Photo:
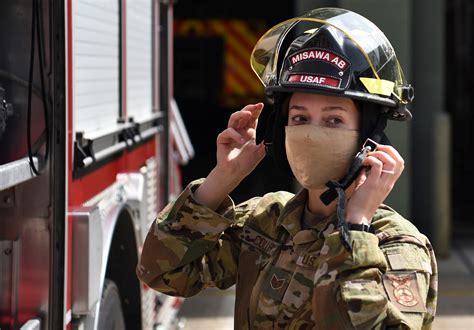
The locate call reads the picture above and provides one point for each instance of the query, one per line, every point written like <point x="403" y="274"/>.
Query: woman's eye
<point x="298" y="119"/>
<point x="335" y="121"/>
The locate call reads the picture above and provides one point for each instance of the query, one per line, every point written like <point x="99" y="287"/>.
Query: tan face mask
<point x="318" y="154"/>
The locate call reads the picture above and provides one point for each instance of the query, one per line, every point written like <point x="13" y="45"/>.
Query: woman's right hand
<point x="237" y="156"/>
<point x="237" y="152"/>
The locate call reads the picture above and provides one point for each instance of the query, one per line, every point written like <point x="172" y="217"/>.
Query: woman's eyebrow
<point x="298" y="107"/>
<point x="334" y="107"/>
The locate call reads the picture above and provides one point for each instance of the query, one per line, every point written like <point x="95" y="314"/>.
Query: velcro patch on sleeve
<point x="403" y="291"/>
<point x="408" y="258"/>
<point x="396" y="260"/>
<point x="258" y="240"/>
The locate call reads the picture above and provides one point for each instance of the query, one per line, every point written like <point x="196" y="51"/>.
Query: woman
<point x="333" y="256"/>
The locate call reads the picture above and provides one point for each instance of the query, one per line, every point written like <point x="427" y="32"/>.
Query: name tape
<point x="316" y="80"/>
<point x="258" y="240"/>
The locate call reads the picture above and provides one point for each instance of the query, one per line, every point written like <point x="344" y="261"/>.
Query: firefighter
<point x="332" y="256"/>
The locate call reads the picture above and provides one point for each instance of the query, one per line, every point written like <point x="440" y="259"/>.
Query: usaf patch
<point x="308" y="260"/>
<point x="276" y="283"/>
<point x="403" y="291"/>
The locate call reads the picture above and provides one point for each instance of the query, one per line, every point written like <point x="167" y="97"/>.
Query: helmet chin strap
<point x="337" y="188"/>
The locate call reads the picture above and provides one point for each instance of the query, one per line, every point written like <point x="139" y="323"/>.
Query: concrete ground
<point x="456" y="289"/>
<point x="214" y="309"/>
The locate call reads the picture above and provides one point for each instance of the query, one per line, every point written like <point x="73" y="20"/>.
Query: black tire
<point x="110" y="312"/>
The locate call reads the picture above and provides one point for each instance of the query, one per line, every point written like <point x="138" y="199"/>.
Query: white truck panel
<point x="95" y="64"/>
<point x="139" y="58"/>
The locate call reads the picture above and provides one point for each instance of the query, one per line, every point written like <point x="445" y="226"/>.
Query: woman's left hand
<point x="372" y="187"/>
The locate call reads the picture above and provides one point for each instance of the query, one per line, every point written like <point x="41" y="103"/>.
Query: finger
<point x="248" y="133"/>
<point x="376" y="166"/>
<point x="250" y="121"/>
<point x="262" y="151"/>
<point x="256" y="110"/>
<point x="258" y="149"/>
<point x="256" y="152"/>
<point x="239" y="119"/>
<point x="230" y="135"/>
<point x="389" y="164"/>
<point x="393" y="153"/>
<point x="361" y="178"/>
<point x="399" y="162"/>
<point x="247" y="117"/>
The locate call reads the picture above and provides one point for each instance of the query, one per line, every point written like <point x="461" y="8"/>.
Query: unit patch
<point x="402" y="290"/>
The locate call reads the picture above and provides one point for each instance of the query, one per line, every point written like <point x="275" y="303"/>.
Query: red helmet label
<point x="314" y="79"/>
<point x="323" y="55"/>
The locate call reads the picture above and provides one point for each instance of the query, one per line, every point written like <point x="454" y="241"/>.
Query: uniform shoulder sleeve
<point x="190" y="247"/>
<point x="268" y="210"/>
<point x="388" y="280"/>
<point x="411" y="278"/>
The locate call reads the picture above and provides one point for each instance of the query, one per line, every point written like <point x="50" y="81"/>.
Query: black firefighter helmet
<point x="336" y="52"/>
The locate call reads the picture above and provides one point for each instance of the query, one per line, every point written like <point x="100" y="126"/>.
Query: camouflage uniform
<point x="289" y="277"/>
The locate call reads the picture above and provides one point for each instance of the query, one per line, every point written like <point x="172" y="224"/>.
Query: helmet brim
<point x="398" y="112"/>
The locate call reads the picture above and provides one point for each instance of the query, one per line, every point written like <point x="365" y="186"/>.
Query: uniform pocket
<point x="365" y="301"/>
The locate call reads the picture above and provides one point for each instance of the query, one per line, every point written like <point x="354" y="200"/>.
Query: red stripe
<point x="236" y="34"/>
<point x="243" y="62"/>
<point x="227" y="89"/>
<point x="90" y="185"/>
<point x="314" y="79"/>
<point x="237" y="75"/>
<point x="228" y="47"/>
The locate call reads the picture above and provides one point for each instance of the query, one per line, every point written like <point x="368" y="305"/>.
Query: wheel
<point x="110" y="312"/>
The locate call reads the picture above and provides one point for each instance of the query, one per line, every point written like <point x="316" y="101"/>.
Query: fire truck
<point x="91" y="141"/>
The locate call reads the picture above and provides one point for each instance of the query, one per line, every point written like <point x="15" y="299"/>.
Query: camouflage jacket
<point x="289" y="277"/>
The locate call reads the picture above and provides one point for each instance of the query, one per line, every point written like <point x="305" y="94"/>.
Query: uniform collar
<point x="291" y="216"/>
